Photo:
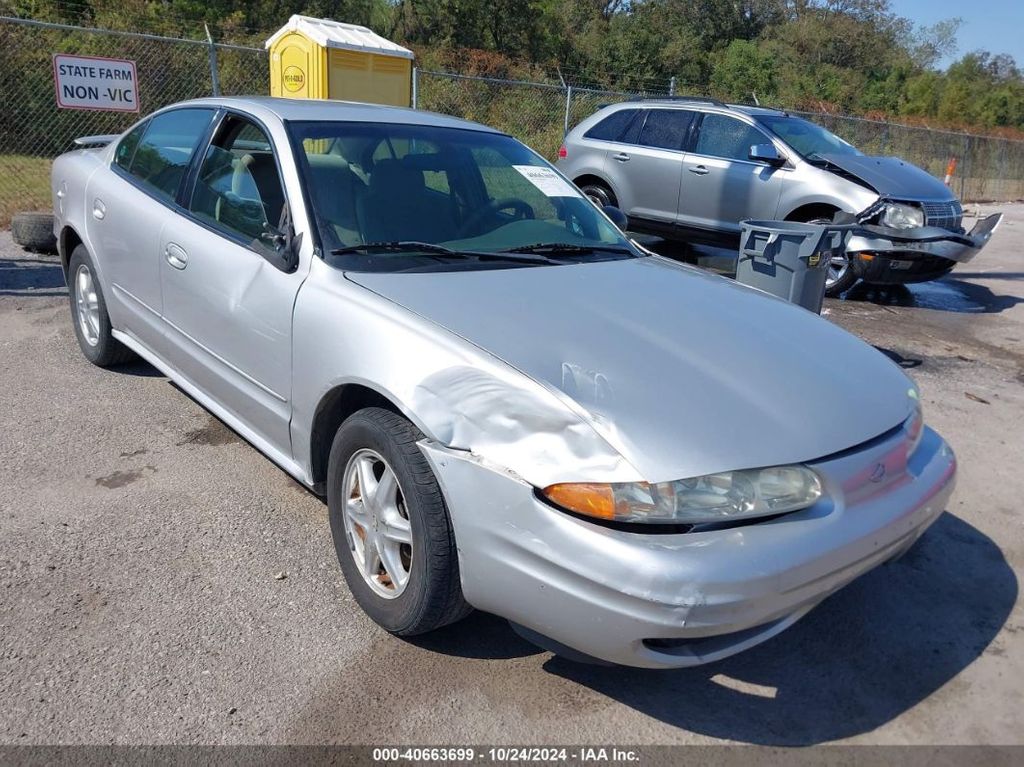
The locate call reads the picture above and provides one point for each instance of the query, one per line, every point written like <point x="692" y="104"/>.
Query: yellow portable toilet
<point x="324" y="59"/>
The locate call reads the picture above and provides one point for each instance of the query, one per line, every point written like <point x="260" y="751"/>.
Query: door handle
<point x="621" y="157"/>
<point x="99" y="210"/>
<point x="700" y="170"/>
<point x="176" y="256"/>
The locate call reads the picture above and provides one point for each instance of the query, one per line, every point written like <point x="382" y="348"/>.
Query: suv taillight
<point x="562" y="154"/>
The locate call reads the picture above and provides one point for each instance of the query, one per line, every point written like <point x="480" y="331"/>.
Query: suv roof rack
<point x="701" y="99"/>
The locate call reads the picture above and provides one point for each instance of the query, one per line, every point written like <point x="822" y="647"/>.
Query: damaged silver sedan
<point x="507" y="405"/>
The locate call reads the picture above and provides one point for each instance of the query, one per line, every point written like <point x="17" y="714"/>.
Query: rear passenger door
<point x="228" y="310"/>
<point x="646" y="174"/>
<point x="721" y="185"/>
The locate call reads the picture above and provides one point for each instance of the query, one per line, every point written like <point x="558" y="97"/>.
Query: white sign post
<point x="90" y="82"/>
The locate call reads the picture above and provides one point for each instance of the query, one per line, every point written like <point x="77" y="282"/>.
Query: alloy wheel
<point x="87" y="305"/>
<point x="377" y="524"/>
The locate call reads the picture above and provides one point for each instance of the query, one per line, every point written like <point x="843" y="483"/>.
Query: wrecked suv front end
<point x="921" y="241"/>
<point x="913" y="231"/>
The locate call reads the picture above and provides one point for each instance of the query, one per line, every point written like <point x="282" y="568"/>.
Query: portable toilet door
<point x="324" y="59"/>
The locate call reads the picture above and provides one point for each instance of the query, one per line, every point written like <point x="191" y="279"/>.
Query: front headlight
<point x="731" y="495"/>
<point x="898" y="216"/>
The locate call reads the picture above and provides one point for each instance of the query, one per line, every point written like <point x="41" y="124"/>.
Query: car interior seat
<point x="398" y="206"/>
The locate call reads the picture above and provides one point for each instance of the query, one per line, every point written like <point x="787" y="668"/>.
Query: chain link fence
<point x="33" y="130"/>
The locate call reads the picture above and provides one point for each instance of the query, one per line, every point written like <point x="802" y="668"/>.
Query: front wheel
<point x="840" y="276"/>
<point x="390" y="526"/>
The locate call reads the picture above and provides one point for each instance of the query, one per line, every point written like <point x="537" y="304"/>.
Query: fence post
<point x="966" y="166"/>
<point x="568" y="106"/>
<point x="672" y="86"/>
<point x="214" y="75"/>
<point x="415" y="87"/>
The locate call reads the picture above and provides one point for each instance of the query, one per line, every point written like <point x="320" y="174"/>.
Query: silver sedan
<point x="506" y="403"/>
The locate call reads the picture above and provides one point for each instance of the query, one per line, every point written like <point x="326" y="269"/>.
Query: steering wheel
<point x="521" y="209"/>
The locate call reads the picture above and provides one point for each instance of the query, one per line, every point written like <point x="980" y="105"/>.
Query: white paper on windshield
<point x="547" y="181"/>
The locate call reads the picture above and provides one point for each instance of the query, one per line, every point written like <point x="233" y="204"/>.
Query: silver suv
<point x="692" y="169"/>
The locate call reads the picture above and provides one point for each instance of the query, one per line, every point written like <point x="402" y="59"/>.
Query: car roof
<point x="330" y="110"/>
<point x="698" y="102"/>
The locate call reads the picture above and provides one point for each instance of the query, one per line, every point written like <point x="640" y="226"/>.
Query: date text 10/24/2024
<point x="502" y="754"/>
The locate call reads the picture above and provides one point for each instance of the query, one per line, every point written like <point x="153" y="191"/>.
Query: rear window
<point x="666" y="128"/>
<point x="613" y="126"/>
<point x="162" y="156"/>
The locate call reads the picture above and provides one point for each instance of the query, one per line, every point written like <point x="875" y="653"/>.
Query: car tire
<point x="89" y="314"/>
<point x="424" y="591"/>
<point x="599" y="194"/>
<point x="34" y="232"/>
<point x="840" y="275"/>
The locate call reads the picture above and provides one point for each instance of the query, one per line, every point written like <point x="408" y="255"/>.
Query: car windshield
<point x="805" y="137"/>
<point x="400" y="197"/>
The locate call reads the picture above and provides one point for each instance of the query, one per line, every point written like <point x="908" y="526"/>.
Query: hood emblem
<point x="878" y="473"/>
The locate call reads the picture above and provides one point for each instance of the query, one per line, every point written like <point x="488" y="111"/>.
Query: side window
<point x="666" y="128"/>
<point x="239" y="188"/>
<point x="126" y="149"/>
<point x="166" y="148"/>
<point x="727" y="137"/>
<point x="613" y="126"/>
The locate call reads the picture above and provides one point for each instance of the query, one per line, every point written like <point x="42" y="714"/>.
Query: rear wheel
<point x="599" y="194"/>
<point x="390" y="526"/>
<point x="89" y="313"/>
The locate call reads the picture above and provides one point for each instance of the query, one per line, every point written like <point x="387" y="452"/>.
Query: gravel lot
<point x="142" y="544"/>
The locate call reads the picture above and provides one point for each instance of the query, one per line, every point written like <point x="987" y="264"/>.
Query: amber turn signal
<point x="590" y="498"/>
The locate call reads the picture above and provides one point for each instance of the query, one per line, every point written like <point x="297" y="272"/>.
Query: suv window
<point x="166" y="148"/>
<point x="727" y="137"/>
<point x="666" y="128"/>
<point x="126" y="149"/>
<point x="613" y="126"/>
<point x="239" y="188"/>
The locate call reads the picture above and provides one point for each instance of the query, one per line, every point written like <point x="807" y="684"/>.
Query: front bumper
<point x="667" y="601"/>
<point x="925" y="241"/>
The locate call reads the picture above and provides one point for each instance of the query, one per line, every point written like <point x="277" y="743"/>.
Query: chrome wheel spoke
<point x="397" y="529"/>
<point x="385" y="494"/>
<point x="371" y="558"/>
<point x="391" y="558"/>
<point x="356" y="512"/>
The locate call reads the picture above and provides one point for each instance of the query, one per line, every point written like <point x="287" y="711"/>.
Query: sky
<point x="995" y="25"/>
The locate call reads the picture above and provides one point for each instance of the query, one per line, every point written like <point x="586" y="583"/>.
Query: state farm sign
<point x="89" y="82"/>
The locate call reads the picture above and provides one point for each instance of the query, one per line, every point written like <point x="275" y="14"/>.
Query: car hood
<point x="683" y="372"/>
<point x="891" y="177"/>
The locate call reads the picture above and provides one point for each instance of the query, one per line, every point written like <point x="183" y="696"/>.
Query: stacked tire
<point x="34" y="232"/>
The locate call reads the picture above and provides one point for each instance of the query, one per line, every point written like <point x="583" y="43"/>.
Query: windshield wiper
<point x="414" y="246"/>
<point x="566" y="248"/>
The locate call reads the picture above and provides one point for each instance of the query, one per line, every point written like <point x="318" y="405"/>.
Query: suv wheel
<point x="840" y="271"/>
<point x="599" y="194"/>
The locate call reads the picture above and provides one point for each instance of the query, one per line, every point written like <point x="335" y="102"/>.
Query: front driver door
<point x="228" y="310"/>
<point x="721" y="184"/>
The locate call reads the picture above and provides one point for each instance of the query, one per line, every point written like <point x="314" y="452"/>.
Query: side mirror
<point x="766" y="153"/>
<point x="617" y="216"/>
<point x="280" y="246"/>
